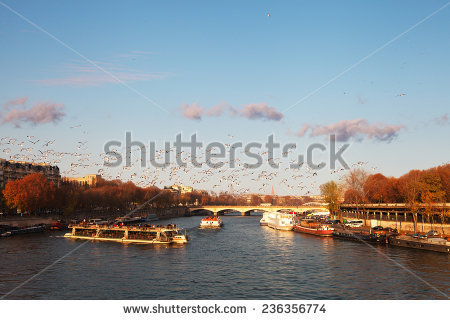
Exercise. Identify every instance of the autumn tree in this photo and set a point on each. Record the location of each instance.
(431, 191)
(411, 188)
(268, 199)
(255, 200)
(376, 188)
(332, 194)
(11, 195)
(355, 181)
(31, 193)
(444, 174)
(206, 199)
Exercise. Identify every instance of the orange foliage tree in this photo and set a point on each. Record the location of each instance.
(31, 193)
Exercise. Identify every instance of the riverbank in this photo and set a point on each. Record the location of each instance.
(17, 221)
(27, 220)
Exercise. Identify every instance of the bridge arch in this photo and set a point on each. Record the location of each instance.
(247, 210)
(225, 211)
(202, 212)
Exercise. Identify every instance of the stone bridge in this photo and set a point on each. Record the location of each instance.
(246, 210)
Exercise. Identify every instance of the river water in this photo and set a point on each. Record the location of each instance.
(240, 261)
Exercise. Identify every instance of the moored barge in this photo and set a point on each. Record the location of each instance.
(129, 234)
(8, 231)
(313, 227)
(355, 234)
(430, 244)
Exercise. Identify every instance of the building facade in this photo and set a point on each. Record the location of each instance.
(13, 170)
(89, 179)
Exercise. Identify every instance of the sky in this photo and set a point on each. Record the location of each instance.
(79, 74)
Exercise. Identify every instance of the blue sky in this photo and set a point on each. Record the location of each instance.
(178, 52)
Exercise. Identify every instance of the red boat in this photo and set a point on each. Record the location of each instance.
(314, 227)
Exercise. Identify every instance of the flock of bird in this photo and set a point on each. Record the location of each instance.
(290, 177)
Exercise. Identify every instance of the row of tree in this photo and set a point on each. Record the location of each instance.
(422, 186)
(418, 189)
(35, 194)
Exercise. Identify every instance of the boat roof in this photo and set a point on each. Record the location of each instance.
(129, 228)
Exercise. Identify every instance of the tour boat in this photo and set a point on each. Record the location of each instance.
(280, 220)
(313, 227)
(128, 234)
(211, 222)
(263, 220)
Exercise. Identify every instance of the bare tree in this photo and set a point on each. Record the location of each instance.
(354, 183)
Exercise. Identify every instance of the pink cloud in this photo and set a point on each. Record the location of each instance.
(442, 120)
(193, 112)
(303, 130)
(219, 109)
(40, 113)
(357, 129)
(250, 111)
(261, 111)
(16, 102)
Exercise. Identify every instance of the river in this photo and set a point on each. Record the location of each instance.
(240, 261)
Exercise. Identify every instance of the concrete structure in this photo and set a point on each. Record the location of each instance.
(12, 170)
(388, 211)
(246, 210)
(398, 216)
(407, 226)
(89, 179)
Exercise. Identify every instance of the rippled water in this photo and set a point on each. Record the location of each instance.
(240, 261)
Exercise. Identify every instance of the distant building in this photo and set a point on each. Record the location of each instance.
(179, 188)
(89, 179)
(13, 170)
(317, 198)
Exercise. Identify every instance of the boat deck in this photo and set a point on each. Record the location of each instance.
(432, 244)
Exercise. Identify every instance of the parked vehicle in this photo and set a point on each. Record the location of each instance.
(432, 233)
(354, 223)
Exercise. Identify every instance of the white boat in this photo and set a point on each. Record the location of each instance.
(263, 220)
(280, 220)
(211, 222)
